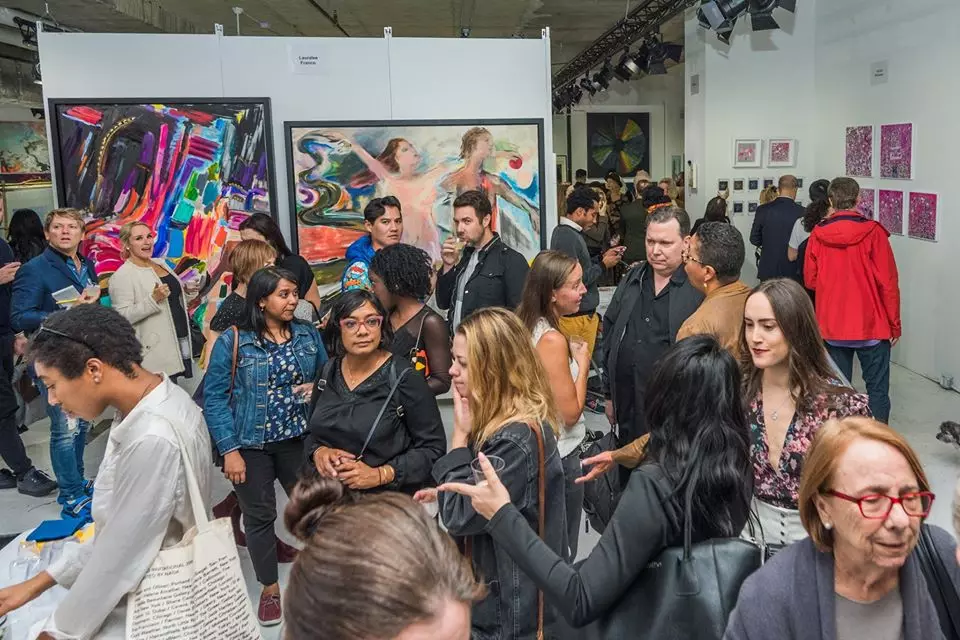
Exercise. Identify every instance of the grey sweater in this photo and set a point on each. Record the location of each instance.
(568, 240)
(793, 596)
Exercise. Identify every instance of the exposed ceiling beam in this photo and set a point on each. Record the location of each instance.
(643, 20)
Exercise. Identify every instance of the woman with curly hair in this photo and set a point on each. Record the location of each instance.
(402, 279)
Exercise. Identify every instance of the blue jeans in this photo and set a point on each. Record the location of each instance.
(66, 450)
(875, 362)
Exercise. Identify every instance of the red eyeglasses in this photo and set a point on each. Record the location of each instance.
(878, 506)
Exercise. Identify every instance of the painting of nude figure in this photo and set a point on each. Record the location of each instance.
(337, 168)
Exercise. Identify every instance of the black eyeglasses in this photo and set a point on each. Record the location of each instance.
(68, 337)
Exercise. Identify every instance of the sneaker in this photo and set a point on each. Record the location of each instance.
(7, 479)
(78, 509)
(37, 484)
(88, 487)
(269, 612)
(285, 553)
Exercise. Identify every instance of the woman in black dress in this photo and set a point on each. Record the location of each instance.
(401, 279)
(261, 226)
(372, 425)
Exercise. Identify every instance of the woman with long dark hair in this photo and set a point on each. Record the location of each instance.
(402, 279)
(254, 401)
(791, 389)
(816, 212)
(699, 446)
(261, 226)
(716, 212)
(25, 235)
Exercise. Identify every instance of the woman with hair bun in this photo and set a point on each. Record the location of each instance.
(342, 587)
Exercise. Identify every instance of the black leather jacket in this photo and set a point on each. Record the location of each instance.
(509, 612)
(497, 282)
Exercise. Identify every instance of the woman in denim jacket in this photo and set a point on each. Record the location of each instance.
(501, 394)
(257, 416)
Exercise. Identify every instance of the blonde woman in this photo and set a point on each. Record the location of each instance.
(501, 395)
(150, 296)
(769, 194)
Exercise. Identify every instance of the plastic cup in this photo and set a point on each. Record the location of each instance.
(478, 477)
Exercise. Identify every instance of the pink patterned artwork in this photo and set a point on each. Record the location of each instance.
(896, 151)
(890, 211)
(866, 202)
(746, 152)
(923, 216)
(780, 151)
(859, 152)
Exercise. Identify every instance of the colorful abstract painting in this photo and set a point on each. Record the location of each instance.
(867, 202)
(617, 142)
(23, 148)
(337, 168)
(896, 151)
(923, 216)
(781, 152)
(890, 211)
(859, 152)
(191, 170)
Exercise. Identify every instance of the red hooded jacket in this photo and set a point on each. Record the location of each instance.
(849, 263)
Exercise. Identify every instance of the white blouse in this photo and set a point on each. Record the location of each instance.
(571, 437)
(140, 505)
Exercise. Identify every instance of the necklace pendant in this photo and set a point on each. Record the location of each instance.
(775, 415)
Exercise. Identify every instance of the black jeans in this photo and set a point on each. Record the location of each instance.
(12, 450)
(258, 500)
(875, 362)
(573, 496)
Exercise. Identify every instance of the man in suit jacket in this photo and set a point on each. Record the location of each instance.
(771, 231)
(59, 267)
(652, 302)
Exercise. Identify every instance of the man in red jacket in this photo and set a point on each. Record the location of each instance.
(850, 265)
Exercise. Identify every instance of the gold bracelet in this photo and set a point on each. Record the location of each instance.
(380, 476)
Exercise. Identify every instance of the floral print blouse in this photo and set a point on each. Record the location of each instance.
(780, 486)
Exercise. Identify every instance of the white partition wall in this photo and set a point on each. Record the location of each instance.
(354, 79)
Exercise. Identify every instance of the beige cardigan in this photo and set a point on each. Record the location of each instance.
(131, 294)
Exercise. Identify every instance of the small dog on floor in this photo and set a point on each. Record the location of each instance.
(949, 433)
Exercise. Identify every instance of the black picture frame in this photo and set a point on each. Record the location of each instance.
(610, 127)
(753, 206)
(738, 207)
(289, 125)
(753, 184)
(738, 185)
(55, 133)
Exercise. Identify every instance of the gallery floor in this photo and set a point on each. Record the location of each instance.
(918, 408)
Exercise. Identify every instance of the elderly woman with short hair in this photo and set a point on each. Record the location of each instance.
(863, 498)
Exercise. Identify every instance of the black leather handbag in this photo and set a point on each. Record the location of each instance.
(601, 496)
(686, 593)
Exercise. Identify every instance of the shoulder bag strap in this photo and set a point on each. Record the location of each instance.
(236, 350)
(944, 595)
(541, 512)
(383, 408)
(320, 384)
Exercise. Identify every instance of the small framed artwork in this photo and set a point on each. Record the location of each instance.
(563, 169)
(768, 182)
(747, 153)
(738, 207)
(896, 151)
(799, 183)
(781, 152)
(858, 152)
(866, 203)
(753, 206)
(923, 216)
(738, 185)
(723, 185)
(753, 184)
(890, 211)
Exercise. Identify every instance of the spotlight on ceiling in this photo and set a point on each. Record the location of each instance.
(660, 52)
(627, 67)
(642, 58)
(589, 86)
(602, 78)
(770, 14)
(718, 14)
(576, 94)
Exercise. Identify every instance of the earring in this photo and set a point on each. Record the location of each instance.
(827, 526)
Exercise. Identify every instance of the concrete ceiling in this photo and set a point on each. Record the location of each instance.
(574, 24)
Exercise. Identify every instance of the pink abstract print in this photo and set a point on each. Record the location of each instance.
(890, 212)
(923, 216)
(746, 152)
(865, 204)
(859, 152)
(779, 152)
(896, 151)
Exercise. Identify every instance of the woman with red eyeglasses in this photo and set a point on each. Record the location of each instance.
(373, 425)
(866, 569)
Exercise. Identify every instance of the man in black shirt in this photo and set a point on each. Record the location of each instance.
(771, 231)
(641, 323)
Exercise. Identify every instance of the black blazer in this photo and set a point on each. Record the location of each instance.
(497, 282)
(771, 231)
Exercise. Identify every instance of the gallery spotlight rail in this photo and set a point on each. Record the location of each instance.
(643, 21)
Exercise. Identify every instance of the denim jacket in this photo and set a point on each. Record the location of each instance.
(237, 421)
(509, 612)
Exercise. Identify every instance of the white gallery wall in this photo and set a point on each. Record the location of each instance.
(660, 96)
(357, 79)
(813, 80)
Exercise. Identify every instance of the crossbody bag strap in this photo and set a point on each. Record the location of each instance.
(383, 408)
(541, 512)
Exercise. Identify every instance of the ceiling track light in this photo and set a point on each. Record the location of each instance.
(627, 68)
(721, 16)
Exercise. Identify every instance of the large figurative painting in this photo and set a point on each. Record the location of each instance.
(336, 168)
(617, 142)
(193, 170)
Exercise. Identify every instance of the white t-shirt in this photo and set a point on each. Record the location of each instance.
(462, 286)
(570, 438)
(798, 235)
